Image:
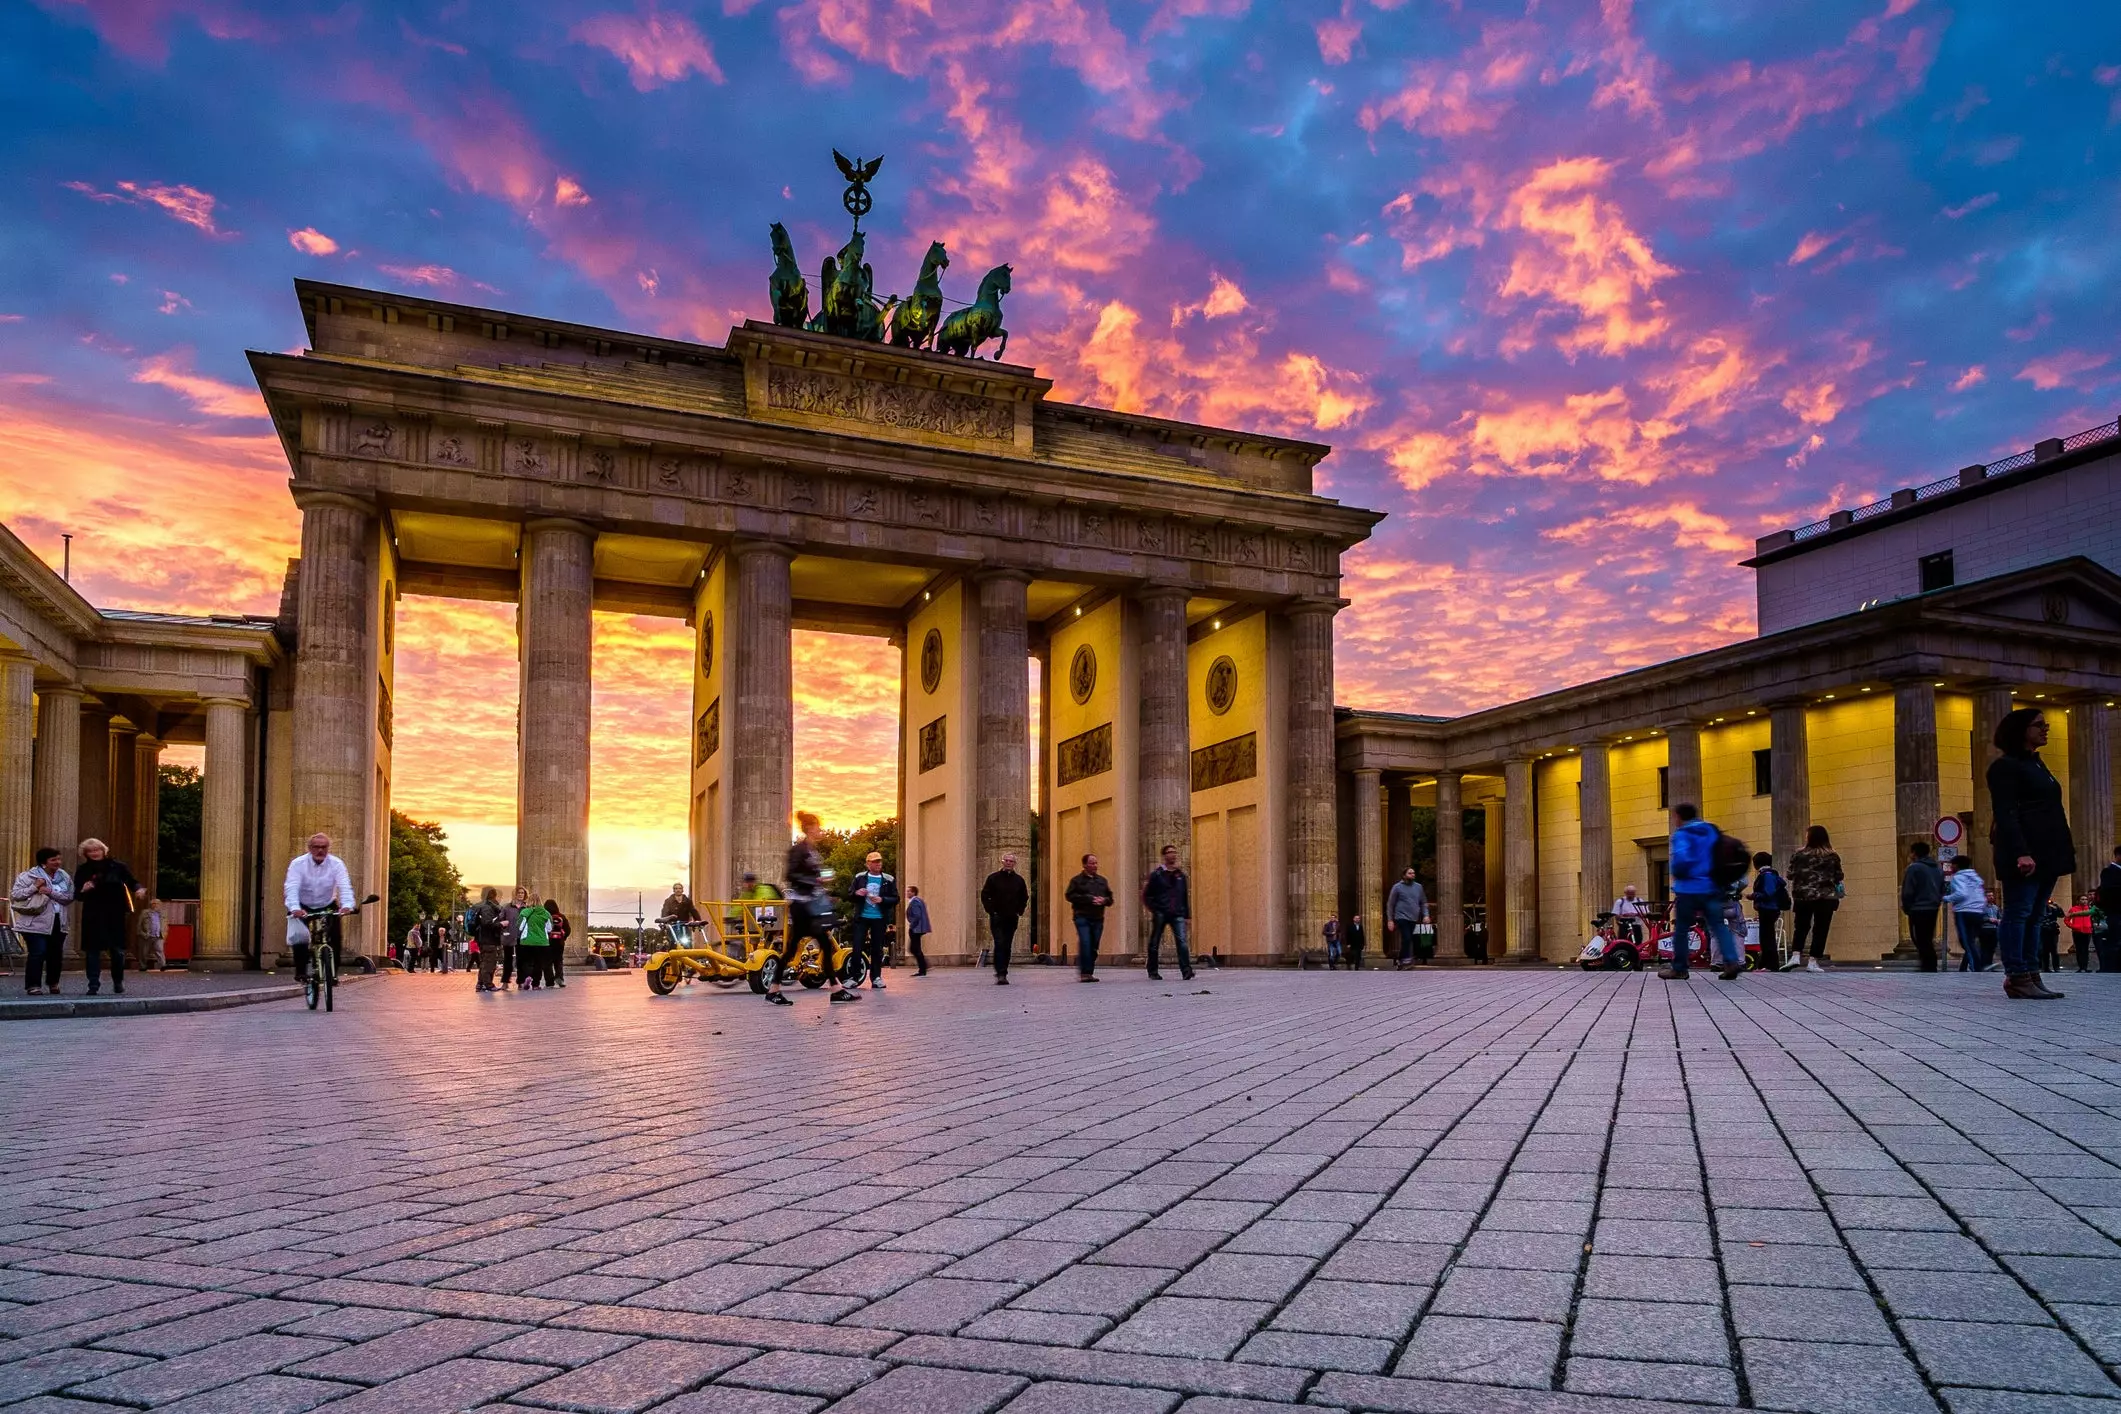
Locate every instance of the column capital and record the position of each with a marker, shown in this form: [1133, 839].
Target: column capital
[1003, 572]
[307, 499]
[1309, 605]
[63, 689]
[1147, 593]
[559, 523]
[147, 741]
[746, 549]
[241, 702]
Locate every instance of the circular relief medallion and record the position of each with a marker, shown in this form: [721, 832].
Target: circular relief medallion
[1082, 674]
[707, 644]
[1222, 685]
[932, 660]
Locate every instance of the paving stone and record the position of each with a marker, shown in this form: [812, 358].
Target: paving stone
[444, 1389]
[1307, 1351]
[1244, 1276]
[1488, 1352]
[1523, 1251]
[1159, 1247]
[2097, 1326]
[1924, 1251]
[2005, 1357]
[1382, 1310]
[166, 1381]
[1958, 1296]
[1801, 1313]
[566, 1349]
[1038, 1327]
[399, 1353]
[914, 1389]
[1639, 1379]
[726, 1399]
[1791, 1264]
[2087, 1279]
[1820, 1378]
[1196, 1327]
[1531, 1296]
[1995, 1401]
[56, 1369]
[211, 1327]
[1639, 1237]
[790, 1372]
[1059, 1398]
[636, 1377]
[935, 1305]
[262, 1394]
[1096, 1291]
[1650, 1330]
[1652, 1279]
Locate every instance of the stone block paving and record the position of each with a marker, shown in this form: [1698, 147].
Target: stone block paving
[1441, 1193]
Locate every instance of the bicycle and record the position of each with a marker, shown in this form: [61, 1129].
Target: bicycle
[323, 975]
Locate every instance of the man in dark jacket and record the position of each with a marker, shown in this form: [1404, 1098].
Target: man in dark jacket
[1921, 896]
[1089, 895]
[1170, 906]
[2033, 848]
[1352, 942]
[872, 905]
[1004, 896]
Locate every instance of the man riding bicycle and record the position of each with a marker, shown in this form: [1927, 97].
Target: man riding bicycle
[316, 879]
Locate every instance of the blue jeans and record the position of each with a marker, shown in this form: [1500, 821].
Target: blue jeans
[2018, 931]
[1157, 923]
[1707, 910]
[1970, 941]
[1089, 932]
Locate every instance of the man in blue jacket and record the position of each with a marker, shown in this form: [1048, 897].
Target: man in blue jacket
[1697, 897]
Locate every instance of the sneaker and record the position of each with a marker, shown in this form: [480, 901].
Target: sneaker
[843, 995]
[778, 1000]
[1001, 981]
[1729, 971]
[1811, 964]
[1792, 963]
[1086, 977]
[1156, 977]
[33, 992]
[1671, 974]
[875, 985]
[1185, 977]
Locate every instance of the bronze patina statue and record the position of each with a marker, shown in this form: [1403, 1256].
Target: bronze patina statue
[791, 296]
[963, 332]
[849, 307]
[919, 313]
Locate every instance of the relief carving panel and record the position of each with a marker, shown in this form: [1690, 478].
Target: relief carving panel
[801, 390]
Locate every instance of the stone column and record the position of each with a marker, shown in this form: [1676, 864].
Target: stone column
[1991, 705]
[1520, 846]
[124, 840]
[222, 837]
[1370, 882]
[1313, 849]
[1399, 829]
[147, 815]
[334, 668]
[758, 715]
[1789, 781]
[93, 814]
[1447, 906]
[552, 722]
[55, 810]
[2091, 789]
[1001, 771]
[1595, 834]
[18, 757]
[1915, 795]
[1164, 783]
[1683, 764]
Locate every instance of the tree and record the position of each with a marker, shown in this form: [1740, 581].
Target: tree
[845, 850]
[422, 877]
[181, 792]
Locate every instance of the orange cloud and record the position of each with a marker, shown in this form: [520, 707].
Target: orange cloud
[2064, 369]
[311, 241]
[1585, 256]
[184, 203]
[1460, 96]
[655, 48]
[1973, 377]
[1230, 384]
[209, 395]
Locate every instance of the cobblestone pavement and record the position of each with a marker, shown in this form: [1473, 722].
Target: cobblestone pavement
[1874, 1193]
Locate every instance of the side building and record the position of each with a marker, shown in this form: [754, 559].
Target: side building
[1893, 637]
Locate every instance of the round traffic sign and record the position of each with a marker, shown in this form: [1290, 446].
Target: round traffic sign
[1950, 829]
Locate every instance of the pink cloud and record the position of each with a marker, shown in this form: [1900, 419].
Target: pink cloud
[1973, 377]
[311, 241]
[655, 48]
[1968, 208]
[1584, 255]
[209, 395]
[2064, 369]
[184, 203]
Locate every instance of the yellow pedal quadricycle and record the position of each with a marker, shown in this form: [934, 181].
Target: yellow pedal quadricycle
[737, 941]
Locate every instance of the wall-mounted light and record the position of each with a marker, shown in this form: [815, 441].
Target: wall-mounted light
[926, 596]
[1828, 698]
[1752, 714]
[1216, 625]
[1936, 684]
[1866, 689]
[1078, 611]
[2039, 697]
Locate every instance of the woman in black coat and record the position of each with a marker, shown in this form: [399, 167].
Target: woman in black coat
[2033, 847]
[106, 889]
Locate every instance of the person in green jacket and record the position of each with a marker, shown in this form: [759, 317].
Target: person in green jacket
[533, 925]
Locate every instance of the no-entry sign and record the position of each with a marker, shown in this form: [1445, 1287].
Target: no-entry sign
[1950, 829]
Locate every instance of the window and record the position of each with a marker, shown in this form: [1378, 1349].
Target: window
[1664, 788]
[1937, 571]
[1764, 771]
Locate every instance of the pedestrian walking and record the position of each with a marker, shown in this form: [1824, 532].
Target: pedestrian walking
[1700, 885]
[1167, 894]
[1331, 933]
[917, 928]
[415, 943]
[2080, 922]
[512, 936]
[1351, 943]
[1968, 897]
[2033, 847]
[532, 922]
[1771, 899]
[486, 925]
[445, 955]
[557, 933]
[1004, 896]
[1406, 908]
[1089, 894]
[37, 904]
[2106, 934]
[809, 912]
[1816, 890]
[1921, 899]
[150, 930]
[875, 908]
[108, 893]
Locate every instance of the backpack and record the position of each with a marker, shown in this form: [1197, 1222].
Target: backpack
[1728, 860]
[1778, 898]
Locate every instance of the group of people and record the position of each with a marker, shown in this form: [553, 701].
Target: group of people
[1166, 896]
[522, 943]
[117, 914]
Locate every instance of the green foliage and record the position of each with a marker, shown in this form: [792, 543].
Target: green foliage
[1474, 852]
[182, 794]
[422, 878]
[844, 850]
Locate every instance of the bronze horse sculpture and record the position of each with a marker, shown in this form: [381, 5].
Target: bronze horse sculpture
[963, 332]
[790, 294]
[919, 313]
[849, 305]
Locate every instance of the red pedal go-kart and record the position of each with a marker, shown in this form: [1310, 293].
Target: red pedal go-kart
[1625, 944]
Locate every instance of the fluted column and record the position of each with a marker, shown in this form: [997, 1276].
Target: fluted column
[1399, 828]
[1789, 781]
[55, 810]
[1520, 860]
[1313, 854]
[1164, 779]
[552, 723]
[1683, 763]
[124, 837]
[147, 815]
[18, 758]
[222, 834]
[92, 814]
[1001, 782]
[759, 711]
[1370, 851]
[2091, 789]
[1991, 705]
[1449, 910]
[1915, 796]
[334, 666]
[1595, 833]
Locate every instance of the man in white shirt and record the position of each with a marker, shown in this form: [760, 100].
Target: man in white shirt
[1630, 911]
[315, 878]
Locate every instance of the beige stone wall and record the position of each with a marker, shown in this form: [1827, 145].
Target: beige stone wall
[938, 828]
[1727, 799]
[1564, 916]
[708, 808]
[1636, 813]
[1240, 886]
[1851, 746]
[1095, 814]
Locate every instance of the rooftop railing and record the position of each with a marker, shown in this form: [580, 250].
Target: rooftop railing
[1967, 476]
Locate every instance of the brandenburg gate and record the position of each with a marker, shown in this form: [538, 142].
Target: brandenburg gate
[1178, 582]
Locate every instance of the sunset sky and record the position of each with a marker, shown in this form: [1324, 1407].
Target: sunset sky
[1585, 296]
